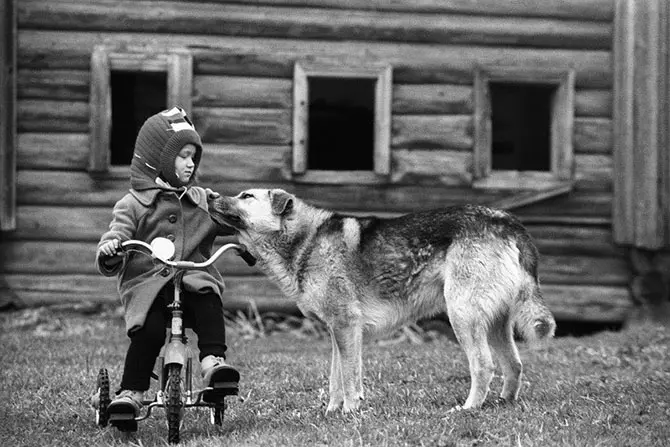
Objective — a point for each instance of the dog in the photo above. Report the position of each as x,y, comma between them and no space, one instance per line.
370,275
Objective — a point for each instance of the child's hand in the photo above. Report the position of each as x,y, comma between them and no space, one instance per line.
110,248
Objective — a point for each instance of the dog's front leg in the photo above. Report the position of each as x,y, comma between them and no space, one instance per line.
336,392
349,341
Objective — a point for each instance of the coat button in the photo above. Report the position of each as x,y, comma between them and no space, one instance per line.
171,237
172,218
165,272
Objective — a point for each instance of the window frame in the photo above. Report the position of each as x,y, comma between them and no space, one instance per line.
561,173
177,63
382,74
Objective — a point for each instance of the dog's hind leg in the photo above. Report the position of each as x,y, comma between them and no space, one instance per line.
505,351
336,391
472,336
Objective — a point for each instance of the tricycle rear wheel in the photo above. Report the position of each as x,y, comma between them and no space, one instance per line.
101,413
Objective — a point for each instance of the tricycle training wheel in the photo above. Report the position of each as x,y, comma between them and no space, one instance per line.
173,402
101,414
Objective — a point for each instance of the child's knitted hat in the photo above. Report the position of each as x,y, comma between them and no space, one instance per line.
158,143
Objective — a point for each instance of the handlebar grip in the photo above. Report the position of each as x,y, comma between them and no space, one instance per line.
248,257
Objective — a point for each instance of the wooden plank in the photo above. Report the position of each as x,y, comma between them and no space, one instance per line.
443,167
58,85
593,172
574,240
242,92
78,257
84,223
46,150
237,162
180,79
100,111
432,132
438,99
593,136
598,10
593,103
8,114
82,189
588,303
412,63
243,126
567,302
312,23
575,269
649,228
52,116
623,215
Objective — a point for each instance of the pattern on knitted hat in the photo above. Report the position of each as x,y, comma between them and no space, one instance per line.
158,143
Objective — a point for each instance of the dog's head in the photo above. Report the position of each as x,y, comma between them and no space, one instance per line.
254,211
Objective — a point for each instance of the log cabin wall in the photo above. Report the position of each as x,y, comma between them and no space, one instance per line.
243,58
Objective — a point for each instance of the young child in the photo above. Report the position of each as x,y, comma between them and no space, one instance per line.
162,202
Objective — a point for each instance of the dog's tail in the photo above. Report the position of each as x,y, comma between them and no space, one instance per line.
532,318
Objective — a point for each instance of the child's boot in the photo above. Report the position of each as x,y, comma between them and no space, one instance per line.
220,376
124,409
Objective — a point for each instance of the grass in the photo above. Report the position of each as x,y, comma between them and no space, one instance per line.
608,389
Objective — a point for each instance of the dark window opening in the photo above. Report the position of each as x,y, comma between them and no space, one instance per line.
135,97
521,126
341,124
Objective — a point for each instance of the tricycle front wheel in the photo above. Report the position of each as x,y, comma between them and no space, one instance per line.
173,402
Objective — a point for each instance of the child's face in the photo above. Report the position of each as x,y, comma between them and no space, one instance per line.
183,165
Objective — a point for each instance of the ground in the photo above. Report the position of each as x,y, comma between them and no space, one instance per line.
609,389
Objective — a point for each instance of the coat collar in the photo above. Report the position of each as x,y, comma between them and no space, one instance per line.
148,196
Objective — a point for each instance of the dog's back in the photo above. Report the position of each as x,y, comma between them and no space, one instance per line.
420,262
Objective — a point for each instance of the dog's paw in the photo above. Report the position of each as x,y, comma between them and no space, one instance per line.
455,409
334,405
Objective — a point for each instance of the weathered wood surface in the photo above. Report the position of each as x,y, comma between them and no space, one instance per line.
598,10
273,126
8,112
567,302
253,92
80,188
413,63
86,224
313,23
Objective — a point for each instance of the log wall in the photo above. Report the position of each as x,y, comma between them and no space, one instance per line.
243,57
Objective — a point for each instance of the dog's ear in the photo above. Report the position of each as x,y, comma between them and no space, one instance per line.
281,201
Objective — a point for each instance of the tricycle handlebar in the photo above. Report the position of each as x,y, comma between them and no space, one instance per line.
239,248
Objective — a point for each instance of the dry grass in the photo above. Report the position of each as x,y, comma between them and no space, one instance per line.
607,389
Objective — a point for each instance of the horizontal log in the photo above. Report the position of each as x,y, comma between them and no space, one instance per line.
81,189
440,99
588,303
235,162
584,240
594,172
598,10
238,91
567,302
313,23
58,85
244,126
52,116
432,132
60,257
45,150
412,63
444,167
592,135
82,223
593,103
77,257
